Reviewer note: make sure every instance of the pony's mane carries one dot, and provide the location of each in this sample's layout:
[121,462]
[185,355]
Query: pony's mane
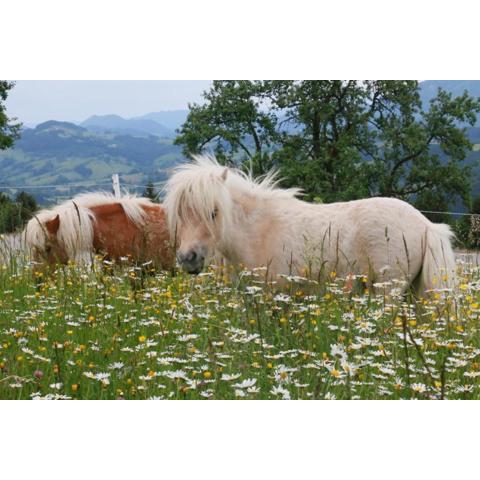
[197,188]
[131,204]
[75,232]
[266,186]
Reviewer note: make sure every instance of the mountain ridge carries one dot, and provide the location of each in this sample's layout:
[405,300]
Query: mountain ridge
[134,126]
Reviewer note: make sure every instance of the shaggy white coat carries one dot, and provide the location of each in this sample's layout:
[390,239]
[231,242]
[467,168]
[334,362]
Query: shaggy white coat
[259,225]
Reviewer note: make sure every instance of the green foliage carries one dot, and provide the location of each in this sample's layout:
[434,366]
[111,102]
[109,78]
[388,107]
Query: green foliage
[15,213]
[233,124]
[150,192]
[476,205]
[9,130]
[340,140]
[466,228]
[410,142]
[429,201]
[323,139]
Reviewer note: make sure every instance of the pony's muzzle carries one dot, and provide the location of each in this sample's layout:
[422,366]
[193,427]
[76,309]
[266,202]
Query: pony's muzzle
[191,261]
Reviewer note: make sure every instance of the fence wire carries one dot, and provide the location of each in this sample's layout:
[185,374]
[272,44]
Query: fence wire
[158,185]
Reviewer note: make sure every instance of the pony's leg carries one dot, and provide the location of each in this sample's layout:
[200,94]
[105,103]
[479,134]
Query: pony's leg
[107,268]
[384,275]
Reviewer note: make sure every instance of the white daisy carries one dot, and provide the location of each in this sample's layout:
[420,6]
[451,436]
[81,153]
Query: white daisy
[249,382]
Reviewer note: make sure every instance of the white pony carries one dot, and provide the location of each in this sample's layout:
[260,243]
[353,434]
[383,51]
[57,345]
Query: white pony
[254,223]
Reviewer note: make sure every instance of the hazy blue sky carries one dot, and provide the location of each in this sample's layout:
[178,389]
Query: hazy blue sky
[35,101]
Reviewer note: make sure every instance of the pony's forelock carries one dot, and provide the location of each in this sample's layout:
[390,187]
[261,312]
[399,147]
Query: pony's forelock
[197,194]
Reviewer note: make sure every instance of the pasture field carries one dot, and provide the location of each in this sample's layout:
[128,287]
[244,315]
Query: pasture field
[83,333]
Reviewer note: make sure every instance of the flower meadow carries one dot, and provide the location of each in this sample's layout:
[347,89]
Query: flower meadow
[112,332]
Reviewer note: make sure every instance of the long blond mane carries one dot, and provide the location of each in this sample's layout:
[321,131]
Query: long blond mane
[75,233]
[197,189]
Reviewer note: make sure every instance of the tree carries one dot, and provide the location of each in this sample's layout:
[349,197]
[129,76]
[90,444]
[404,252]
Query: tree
[150,192]
[323,137]
[466,228]
[14,214]
[27,205]
[9,130]
[418,152]
[234,123]
[339,140]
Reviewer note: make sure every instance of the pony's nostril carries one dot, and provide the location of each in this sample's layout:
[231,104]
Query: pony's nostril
[187,257]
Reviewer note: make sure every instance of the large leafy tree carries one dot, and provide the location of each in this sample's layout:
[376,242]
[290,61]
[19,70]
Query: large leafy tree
[418,152]
[340,139]
[9,129]
[323,134]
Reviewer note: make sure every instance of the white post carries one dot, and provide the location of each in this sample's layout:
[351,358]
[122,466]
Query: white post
[116,185]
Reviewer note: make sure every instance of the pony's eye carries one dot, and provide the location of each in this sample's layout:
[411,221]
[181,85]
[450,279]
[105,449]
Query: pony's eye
[214,214]
[48,249]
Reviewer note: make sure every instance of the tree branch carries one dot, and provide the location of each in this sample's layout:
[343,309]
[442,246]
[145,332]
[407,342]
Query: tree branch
[410,157]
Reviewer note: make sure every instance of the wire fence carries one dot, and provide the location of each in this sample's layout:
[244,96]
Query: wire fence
[55,193]
[68,190]
[450,213]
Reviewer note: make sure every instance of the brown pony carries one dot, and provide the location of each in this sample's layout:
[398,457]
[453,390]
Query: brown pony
[119,229]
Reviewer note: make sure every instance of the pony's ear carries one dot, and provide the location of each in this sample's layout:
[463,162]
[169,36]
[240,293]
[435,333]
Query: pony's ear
[224,174]
[53,225]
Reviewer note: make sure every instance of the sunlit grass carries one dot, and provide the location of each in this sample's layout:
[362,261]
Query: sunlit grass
[88,334]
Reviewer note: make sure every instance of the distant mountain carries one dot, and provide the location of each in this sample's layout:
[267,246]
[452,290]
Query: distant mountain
[60,153]
[132,126]
[172,119]
[65,128]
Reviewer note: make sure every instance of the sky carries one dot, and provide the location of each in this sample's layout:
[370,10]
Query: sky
[36,101]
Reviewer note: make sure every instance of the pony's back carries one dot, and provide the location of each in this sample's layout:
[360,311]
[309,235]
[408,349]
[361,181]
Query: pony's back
[75,218]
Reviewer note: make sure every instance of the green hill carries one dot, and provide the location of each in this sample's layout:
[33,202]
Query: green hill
[59,153]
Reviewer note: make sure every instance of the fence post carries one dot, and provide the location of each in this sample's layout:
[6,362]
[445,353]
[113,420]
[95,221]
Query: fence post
[116,185]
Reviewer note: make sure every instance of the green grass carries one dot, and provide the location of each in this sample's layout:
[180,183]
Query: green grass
[86,334]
